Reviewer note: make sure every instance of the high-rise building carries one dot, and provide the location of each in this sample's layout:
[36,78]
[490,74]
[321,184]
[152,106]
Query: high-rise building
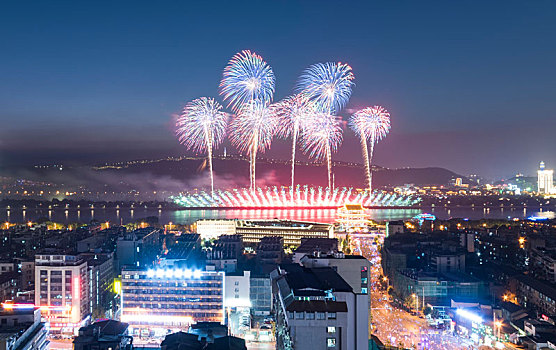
[545,182]
[171,298]
[317,309]
[61,291]
[102,302]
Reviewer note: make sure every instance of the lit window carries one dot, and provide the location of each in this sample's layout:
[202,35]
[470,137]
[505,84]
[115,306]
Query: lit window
[331,329]
[331,315]
[320,316]
[364,291]
[331,342]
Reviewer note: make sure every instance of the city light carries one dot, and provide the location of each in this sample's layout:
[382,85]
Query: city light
[9,306]
[469,315]
[174,273]
[148,318]
[117,286]
[537,218]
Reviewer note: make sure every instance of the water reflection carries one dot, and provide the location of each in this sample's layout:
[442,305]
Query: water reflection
[164,216]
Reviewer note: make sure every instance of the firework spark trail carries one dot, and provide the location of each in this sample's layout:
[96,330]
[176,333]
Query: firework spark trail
[248,85]
[321,136]
[294,113]
[252,131]
[328,86]
[373,124]
[202,126]
[308,197]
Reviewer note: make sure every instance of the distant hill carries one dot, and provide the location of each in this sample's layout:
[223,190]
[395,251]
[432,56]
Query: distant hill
[234,172]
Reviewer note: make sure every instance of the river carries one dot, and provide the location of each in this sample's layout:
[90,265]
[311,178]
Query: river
[186,216]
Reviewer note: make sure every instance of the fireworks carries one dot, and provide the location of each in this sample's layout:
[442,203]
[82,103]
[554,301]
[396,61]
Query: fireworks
[300,197]
[328,85]
[310,116]
[252,131]
[373,124]
[294,113]
[321,136]
[247,78]
[248,86]
[202,126]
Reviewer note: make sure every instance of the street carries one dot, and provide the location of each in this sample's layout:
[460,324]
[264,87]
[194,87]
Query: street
[397,327]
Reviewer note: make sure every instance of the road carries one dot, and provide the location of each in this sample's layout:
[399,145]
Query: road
[397,327]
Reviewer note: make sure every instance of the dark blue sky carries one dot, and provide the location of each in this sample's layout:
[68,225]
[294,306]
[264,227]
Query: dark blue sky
[471,85]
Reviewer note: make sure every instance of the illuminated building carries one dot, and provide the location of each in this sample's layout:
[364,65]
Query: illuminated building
[237,286]
[292,231]
[61,290]
[171,298]
[352,218]
[100,271]
[545,180]
[209,229]
[252,231]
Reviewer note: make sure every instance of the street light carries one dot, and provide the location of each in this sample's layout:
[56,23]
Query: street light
[498,324]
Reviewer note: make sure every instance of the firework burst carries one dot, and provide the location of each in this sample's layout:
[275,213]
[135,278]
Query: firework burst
[370,124]
[322,135]
[252,130]
[201,127]
[294,112]
[247,78]
[328,85]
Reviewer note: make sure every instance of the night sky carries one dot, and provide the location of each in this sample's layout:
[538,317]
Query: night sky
[471,85]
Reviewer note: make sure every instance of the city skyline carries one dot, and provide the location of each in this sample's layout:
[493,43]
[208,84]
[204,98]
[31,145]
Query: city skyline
[107,88]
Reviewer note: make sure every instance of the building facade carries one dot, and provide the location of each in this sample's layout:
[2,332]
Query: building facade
[171,298]
[21,328]
[317,309]
[138,248]
[545,180]
[101,274]
[61,291]
[252,231]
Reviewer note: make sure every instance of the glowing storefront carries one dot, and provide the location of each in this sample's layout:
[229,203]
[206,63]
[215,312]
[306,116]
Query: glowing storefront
[157,300]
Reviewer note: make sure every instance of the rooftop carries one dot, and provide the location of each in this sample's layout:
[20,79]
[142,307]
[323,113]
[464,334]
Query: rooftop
[302,279]
[317,306]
